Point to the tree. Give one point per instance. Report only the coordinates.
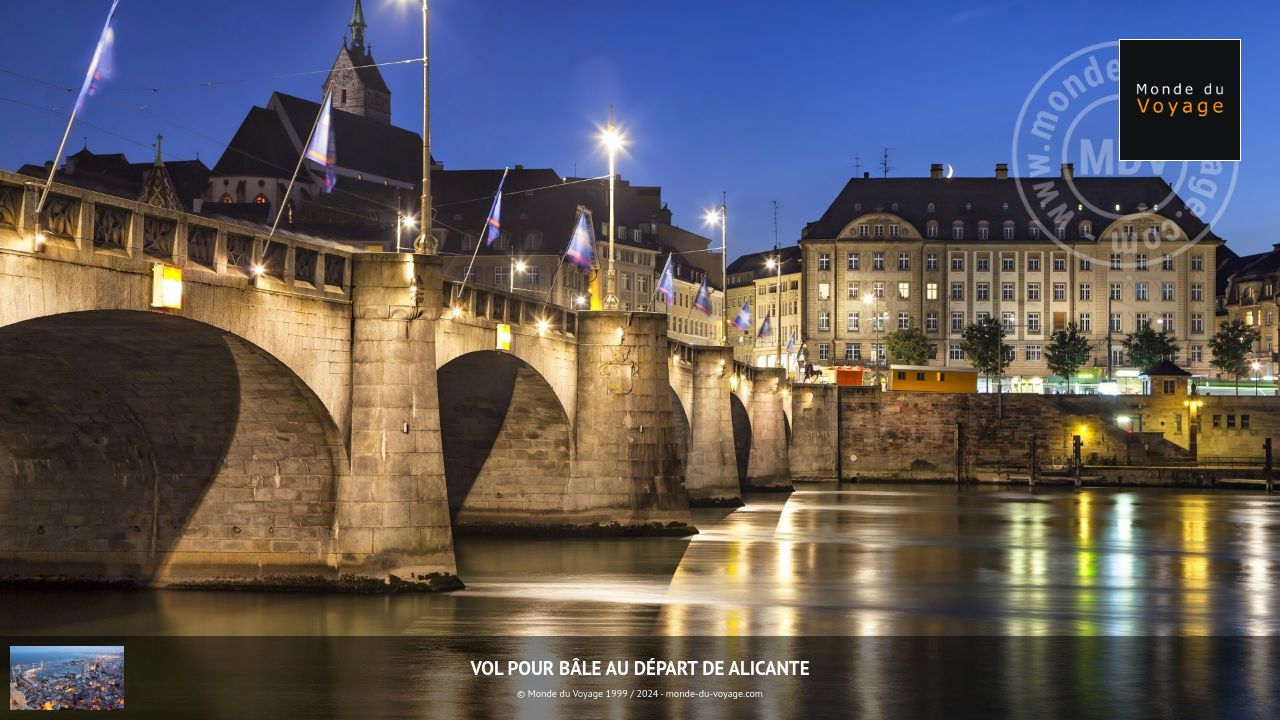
(907, 347)
(1066, 352)
(1147, 347)
(983, 344)
(1231, 346)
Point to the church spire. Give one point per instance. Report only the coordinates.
(357, 26)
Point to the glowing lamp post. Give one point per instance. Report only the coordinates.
(613, 141)
(719, 216)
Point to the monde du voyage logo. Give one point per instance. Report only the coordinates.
(1180, 100)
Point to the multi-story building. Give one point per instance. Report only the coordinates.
(684, 321)
(539, 212)
(1249, 294)
(754, 279)
(940, 253)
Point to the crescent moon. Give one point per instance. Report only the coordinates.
(950, 171)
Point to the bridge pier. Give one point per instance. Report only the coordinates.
(711, 473)
(391, 525)
(768, 467)
(625, 474)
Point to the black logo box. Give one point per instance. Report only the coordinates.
(1187, 68)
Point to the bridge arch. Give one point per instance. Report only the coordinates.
(150, 447)
(309, 334)
(507, 440)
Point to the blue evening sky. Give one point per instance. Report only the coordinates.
(763, 100)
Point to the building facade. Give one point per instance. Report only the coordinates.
(941, 253)
(754, 280)
(1249, 295)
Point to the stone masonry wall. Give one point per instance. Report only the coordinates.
(137, 446)
(625, 470)
(506, 441)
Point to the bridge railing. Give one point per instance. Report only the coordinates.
(487, 303)
(93, 228)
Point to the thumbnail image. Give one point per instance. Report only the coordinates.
(66, 677)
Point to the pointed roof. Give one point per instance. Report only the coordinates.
(157, 187)
(1166, 368)
(357, 25)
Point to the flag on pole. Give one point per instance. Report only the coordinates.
(320, 149)
(743, 321)
(791, 341)
(766, 327)
(582, 247)
(493, 225)
(100, 65)
(702, 300)
(666, 284)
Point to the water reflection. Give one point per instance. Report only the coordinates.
(829, 560)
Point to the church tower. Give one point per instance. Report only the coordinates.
(357, 84)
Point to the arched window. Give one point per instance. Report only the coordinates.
(226, 198)
(261, 199)
(931, 227)
(957, 230)
(984, 230)
(1007, 229)
(1086, 229)
(931, 207)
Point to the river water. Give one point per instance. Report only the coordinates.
(1046, 603)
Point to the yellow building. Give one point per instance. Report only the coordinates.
(925, 378)
(942, 253)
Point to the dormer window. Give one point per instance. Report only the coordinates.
(957, 230)
(984, 230)
(1007, 230)
(1086, 229)
(931, 207)
(931, 227)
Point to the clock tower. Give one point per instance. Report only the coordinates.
(358, 87)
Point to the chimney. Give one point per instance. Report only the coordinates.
(866, 174)
(1068, 170)
(1002, 171)
(935, 171)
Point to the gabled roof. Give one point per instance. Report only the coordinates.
(972, 199)
(366, 68)
(538, 200)
(113, 174)
(756, 264)
(263, 145)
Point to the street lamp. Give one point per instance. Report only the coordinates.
(407, 222)
(870, 299)
(422, 244)
(720, 216)
(775, 263)
(1257, 367)
(517, 266)
(613, 140)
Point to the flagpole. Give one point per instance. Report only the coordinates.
(467, 275)
(75, 110)
(301, 156)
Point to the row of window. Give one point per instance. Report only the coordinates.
(1030, 353)
(1141, 261)
(1009, 229)
(1008, 291)
(1032, 325)
(691, 326)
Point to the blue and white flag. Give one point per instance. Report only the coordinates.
(493, 225)
(766, 327)
(582, 247)
(791, 341)
(702, 301)
(320, 149)
(666, 284)
(100, 65)
(743, 321)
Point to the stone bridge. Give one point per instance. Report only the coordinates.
(314, 414)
